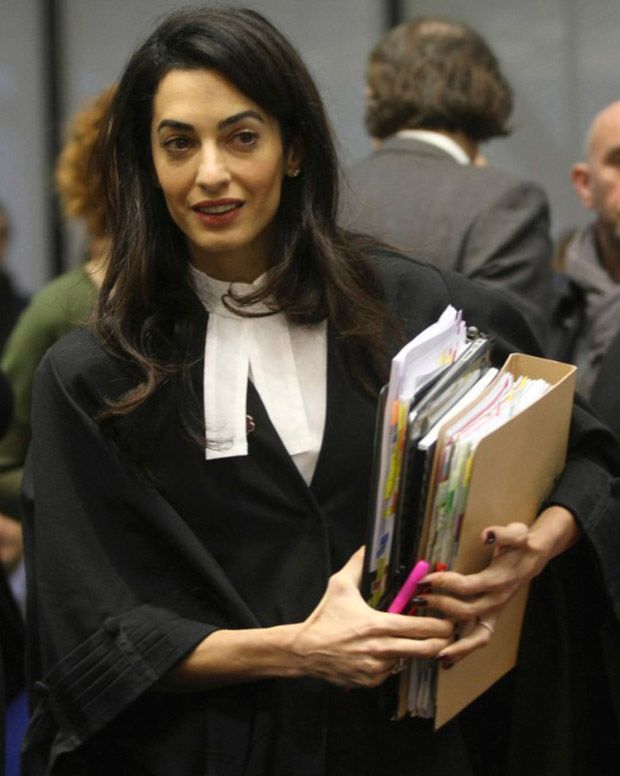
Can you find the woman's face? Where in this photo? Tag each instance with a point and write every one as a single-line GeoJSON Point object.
{"type": "Point", "coordinates": [220, 162]}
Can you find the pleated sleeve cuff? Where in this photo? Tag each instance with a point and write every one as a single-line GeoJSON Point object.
{"type": "Point", "coordinates": [115, 665]}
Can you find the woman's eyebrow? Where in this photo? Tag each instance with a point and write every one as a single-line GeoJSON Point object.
{"type": "Point", "coordinates": [244, 114]}
{"type": "Point", "coordinates": [173, 124]}
{"type": "Point", "coordinates": [236, 117]}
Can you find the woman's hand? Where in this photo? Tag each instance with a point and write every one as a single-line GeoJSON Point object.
{"type": "Point", "coordinates": [347, 643]}
{"type": "Point", "coordinates": [344, 641]}
{"type": "Point", "coordinates": [520, 553]}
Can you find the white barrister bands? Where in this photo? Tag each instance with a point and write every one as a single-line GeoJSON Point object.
{"type": "Point", "coordinates": [287, 364]}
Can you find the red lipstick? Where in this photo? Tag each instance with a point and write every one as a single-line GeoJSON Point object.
{"type": "Point", "coordinates": [218, 212]}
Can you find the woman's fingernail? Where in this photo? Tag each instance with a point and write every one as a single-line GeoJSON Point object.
{"type": "Point", "coordinates": [419, 601]}
{"type": "Point", "coordinates": [447, 662]}
{"type": "Point", "coordinates": [490, 537]}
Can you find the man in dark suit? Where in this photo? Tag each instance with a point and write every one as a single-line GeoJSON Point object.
{"type": "Point", "coordinates": [435, 92]}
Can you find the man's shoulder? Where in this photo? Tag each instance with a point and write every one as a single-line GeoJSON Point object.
{"type": "Point", "coordinates": [581, 246]}
{"type": "Point", "coordinates": [490, 182]}
{"type": "Point", "coordinates": [412, 158]}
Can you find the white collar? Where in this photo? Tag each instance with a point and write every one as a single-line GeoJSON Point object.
{"type": "Point", "coordinates": [439, 140]}
{"type": "Point", "coordinates": [212, 292]}
{"type": "Point", "coordinates": [238, 348]}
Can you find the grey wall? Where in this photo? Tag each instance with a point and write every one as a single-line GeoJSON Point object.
{"type": "Point", "coordinates": [23, 180]}
{"type": "Point", "coordinates": [562, 57]}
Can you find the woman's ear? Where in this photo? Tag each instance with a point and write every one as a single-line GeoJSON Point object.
{"type": "Point", "coordinates": [294, 158]}
{"type": "Point", "coordinates": [582, 183]}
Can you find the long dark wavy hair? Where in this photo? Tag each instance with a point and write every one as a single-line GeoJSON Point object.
{"type": "Point", "coordinates": [147, 310]}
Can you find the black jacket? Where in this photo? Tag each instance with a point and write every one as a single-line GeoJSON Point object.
{"type": "Point", "coordinates": [127, 578]}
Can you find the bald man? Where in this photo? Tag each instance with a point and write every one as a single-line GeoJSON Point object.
{"type": "Point", "coordinates": [587, 313]}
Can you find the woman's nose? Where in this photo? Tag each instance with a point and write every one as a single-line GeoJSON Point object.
{"type": "Point", "coordinates": [213, 173]}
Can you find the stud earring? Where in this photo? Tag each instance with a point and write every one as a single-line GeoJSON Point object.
{"type": "Point", "coordinates": [294, 173]}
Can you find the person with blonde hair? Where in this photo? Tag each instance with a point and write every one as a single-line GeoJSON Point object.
{"type": "Point", "coordinates": [65, 303]}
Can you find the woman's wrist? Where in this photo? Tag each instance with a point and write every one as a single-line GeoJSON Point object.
{"type": "Point", "coordinates": [553, 532]}
{"type": "Point", "coordinates": [235, 656]}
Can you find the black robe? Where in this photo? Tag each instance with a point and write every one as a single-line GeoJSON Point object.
{"type": "Point", "coordinates": [126, 577]}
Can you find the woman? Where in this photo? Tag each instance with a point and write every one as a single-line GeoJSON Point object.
{"type": "Point", "coordinates": [193, 535]}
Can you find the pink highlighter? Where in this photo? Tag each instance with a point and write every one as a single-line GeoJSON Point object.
{"type": "Point", "coordinates": [406, 593]}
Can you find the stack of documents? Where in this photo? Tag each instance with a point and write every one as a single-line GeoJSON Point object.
{"type": "Point", "coordinates": [413, 370]}
{"type": "Point", "coordinates": [479, 447]}
{"type": "Point", "coordinates": [505, 397]}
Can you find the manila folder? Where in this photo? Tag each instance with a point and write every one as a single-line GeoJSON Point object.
{"type": "Point", "coordinates": [514, 470]}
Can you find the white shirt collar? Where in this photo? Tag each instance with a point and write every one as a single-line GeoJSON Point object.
{"type": "Point", "coordinates": [439, 140]}
{"type": "Point", "coordinates": [286, 363]}
{"type": "Point", "coordinates": [212, 292]}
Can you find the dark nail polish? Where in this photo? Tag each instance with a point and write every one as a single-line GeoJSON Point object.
{"type": "Point", "coordinates": [419, 601]}
{"type": "Point", "coordinates": [490, 537]}
{"type": "Point", "coordinates": [446, 663]}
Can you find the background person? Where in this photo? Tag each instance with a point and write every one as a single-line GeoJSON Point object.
{"type": "Point", "coordinates": [198, 477]}
{"type": "Point", "coordinates": [12, 636]}
{"type": "Point", "coordinates": [605, 393]}
{"type": "Point", "coordinates": [586, 313]}
{"type": "Point", "coordinates": [62, 305]}
{"type": "Point", "coordinates": [11, 301]}
{"type": "Point", "coordinates": [435, 92]}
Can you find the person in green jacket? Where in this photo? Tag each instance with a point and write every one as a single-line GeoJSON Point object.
{"type": "Point", "coordinates": [61, 306]}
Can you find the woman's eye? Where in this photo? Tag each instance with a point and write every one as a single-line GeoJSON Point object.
{"type": "Point", "coordinates": [246, 138]}
{"type": "Point", "coordinates": [177, 143]}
